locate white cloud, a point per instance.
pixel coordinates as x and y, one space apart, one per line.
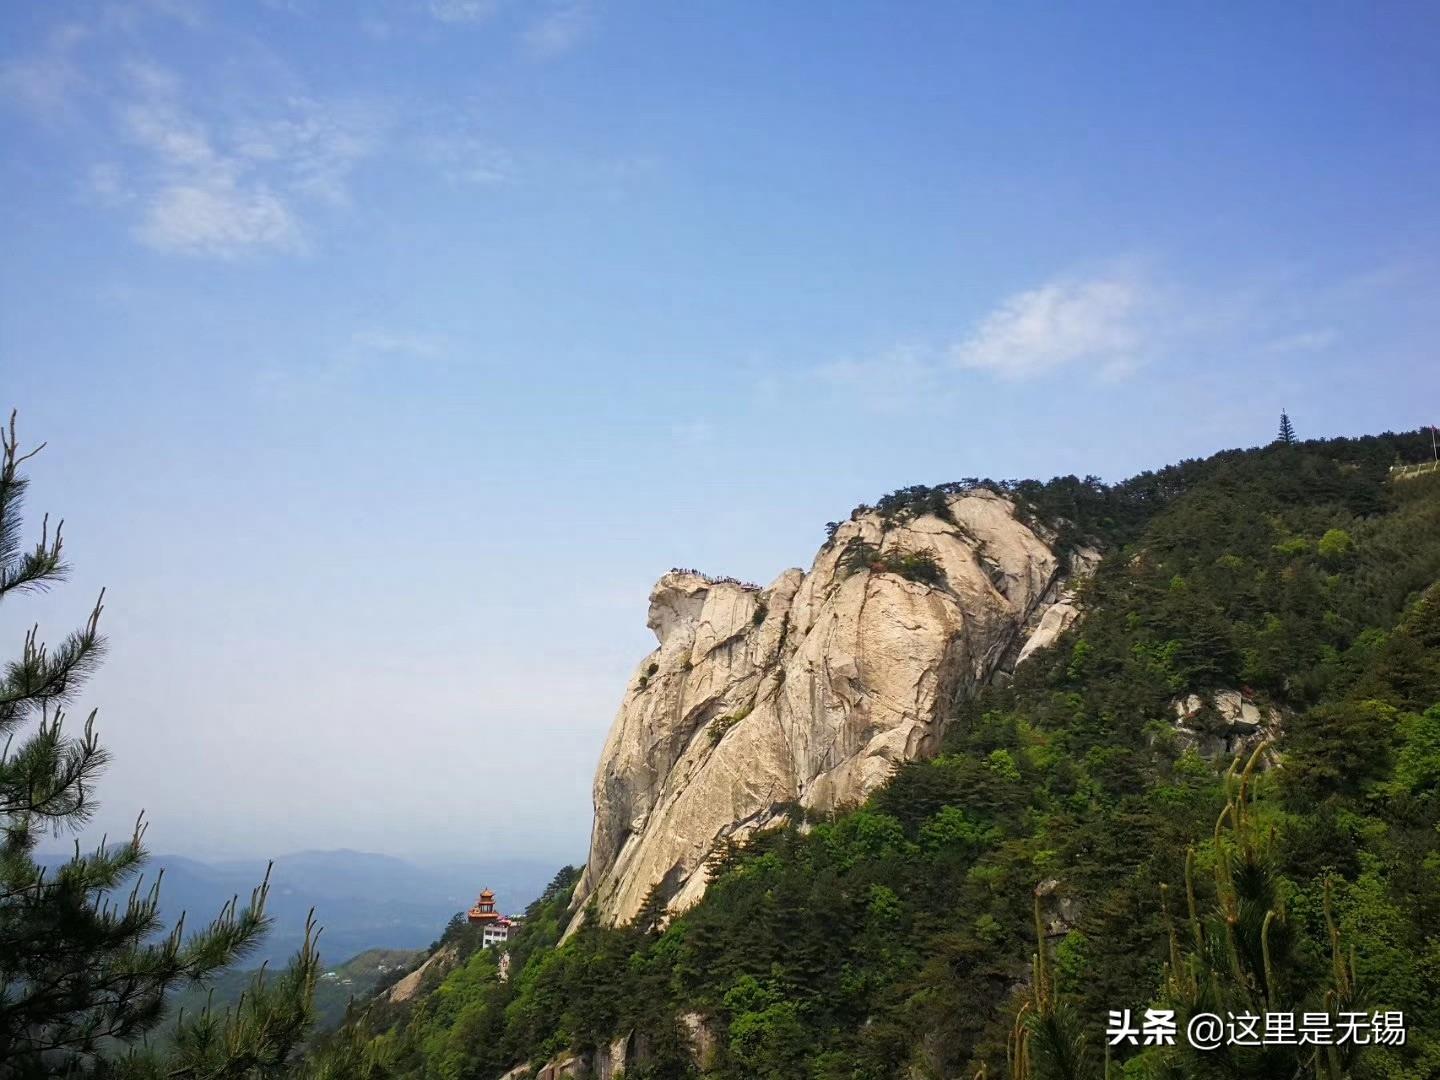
235 187
314 146
902 363
107 184
214 217
45 84
221 164
198 200
150 79
890 382
560 26
463 11
463 158
129 15
696 432
363 351
217 174
1118 369
1106 325
1303 341
419 346
558 31
42 84
174 138
1060 323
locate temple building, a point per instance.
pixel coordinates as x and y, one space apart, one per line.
495 928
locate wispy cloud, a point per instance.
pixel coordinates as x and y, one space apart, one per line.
232 189
463 11
891 381
376 28
420 346
44 84
558 27
464 158
128 14
215 217
1110 327
696 432
204 171
1100 325
223 186
313 145
1061 323
558 31
342 363
1303 341
248 160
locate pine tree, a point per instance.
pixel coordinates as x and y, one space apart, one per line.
1287 431
654 910
1047 1041
1241 957
84 970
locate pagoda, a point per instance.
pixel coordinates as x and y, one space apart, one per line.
484 910
495 929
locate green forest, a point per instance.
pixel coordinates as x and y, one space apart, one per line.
1070 851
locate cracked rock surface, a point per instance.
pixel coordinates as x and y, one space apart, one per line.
808 692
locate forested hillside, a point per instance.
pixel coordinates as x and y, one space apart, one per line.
1100 834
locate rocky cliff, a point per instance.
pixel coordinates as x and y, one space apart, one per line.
810 691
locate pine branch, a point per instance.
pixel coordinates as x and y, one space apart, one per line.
41 679
42 564
50 776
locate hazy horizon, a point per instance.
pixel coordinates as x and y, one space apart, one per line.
387 355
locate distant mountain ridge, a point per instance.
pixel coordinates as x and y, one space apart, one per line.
363 900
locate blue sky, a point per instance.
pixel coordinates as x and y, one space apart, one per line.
388 352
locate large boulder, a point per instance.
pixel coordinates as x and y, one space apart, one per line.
1224 723
807 692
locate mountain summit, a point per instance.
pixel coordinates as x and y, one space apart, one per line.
760 704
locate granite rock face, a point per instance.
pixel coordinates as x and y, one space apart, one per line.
1224 723
811 690
436 964
629 1053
